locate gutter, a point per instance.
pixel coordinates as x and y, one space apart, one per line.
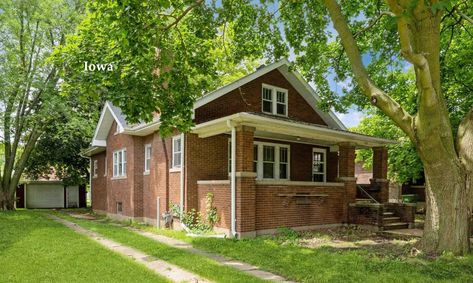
183 148
231 125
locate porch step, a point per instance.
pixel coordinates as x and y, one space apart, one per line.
388 213
392 219
396 225
364 200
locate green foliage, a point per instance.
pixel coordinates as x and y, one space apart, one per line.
211 215
403 161
165 54
287 234
57 152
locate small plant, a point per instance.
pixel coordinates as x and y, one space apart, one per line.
174 209
287 234
210 210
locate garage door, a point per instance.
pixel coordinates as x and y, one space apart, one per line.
44 195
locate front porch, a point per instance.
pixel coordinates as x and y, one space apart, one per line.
283 173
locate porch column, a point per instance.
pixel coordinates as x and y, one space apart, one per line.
380 172
346 169
245 183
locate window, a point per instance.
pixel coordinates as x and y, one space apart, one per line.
119 163
119 207
274 100
318 165
95 168
268 162
255 158
147 157
271 161
176 152
283 162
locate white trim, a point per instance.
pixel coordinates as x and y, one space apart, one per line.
116 161
173 152
261 123
260 162
298 183
96 168
182 174
147 159
213 182
324 151
174 170
233 179
238 83
274 99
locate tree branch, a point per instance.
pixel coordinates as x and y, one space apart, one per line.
468 19
181 16
378 97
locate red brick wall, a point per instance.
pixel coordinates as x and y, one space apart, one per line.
247 98
206 159
222 202
99 183
273 211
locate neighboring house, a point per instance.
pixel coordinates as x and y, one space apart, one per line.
260 145
49 193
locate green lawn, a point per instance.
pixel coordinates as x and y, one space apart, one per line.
36 249
333 265
198 264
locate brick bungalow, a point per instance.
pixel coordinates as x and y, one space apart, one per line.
270 157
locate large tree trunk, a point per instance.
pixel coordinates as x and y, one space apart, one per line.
7 200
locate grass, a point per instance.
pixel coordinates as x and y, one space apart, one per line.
328 264
36 249
198 264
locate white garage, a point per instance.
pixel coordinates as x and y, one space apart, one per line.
50 194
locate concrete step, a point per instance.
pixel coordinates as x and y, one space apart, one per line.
388 213
391 219
396 225
364 200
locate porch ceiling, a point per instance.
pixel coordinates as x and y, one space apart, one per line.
286 129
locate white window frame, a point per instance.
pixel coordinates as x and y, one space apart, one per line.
147 165
324 151
105 167
96 165
274 99
119 158
276 146
176 162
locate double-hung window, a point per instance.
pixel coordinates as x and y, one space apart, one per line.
271 161
147 158
95 168
119 163
176 152
274 100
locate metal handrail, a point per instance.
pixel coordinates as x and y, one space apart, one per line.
364 191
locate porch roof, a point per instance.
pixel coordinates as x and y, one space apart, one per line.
275 127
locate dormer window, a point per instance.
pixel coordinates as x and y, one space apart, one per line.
274 100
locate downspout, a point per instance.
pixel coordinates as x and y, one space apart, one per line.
181 206
233 178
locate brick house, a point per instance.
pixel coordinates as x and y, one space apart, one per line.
259 144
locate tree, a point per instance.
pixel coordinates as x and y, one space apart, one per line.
58 150
163 56
29 100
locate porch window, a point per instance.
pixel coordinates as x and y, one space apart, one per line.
268 162
119 163
271 160
274 100
319 165
176 152
147 158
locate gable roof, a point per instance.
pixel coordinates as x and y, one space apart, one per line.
294 78
111 113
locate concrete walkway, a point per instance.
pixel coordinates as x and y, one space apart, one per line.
406 232
160 267
244 267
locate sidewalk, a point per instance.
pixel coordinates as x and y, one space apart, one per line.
160 267
244 267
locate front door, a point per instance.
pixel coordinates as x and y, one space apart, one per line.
319 164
